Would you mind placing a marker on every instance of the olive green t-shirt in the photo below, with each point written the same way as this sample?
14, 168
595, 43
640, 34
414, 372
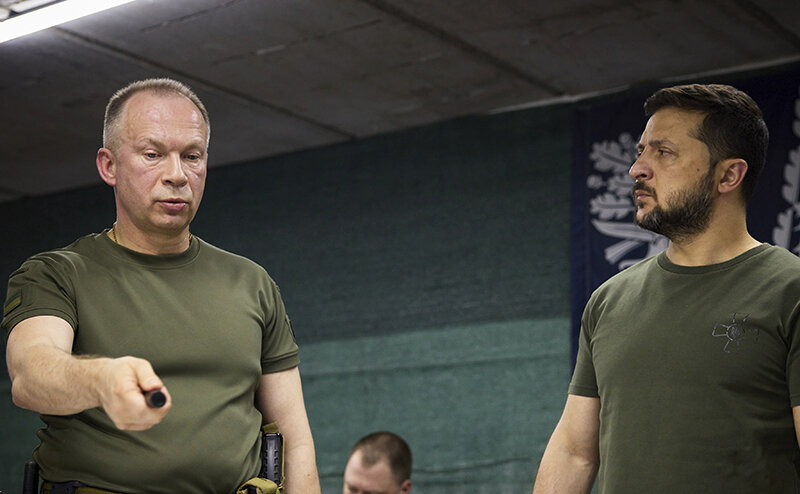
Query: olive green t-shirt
697, 370
210, 323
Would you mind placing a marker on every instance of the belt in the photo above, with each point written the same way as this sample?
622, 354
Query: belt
253, 486
72, 487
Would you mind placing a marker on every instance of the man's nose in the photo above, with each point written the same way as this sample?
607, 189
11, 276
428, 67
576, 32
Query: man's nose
174, 172
640, 170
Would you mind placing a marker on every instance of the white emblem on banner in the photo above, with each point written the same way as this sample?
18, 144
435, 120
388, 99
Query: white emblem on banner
612, 205
785, 233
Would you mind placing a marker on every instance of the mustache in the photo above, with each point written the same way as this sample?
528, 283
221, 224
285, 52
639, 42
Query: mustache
643, 187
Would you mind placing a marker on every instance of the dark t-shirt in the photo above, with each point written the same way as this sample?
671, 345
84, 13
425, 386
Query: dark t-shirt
697, 370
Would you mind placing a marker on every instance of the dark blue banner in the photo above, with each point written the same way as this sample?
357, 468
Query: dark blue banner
605, 240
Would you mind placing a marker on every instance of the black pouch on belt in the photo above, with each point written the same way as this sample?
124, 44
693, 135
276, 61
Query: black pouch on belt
270, 479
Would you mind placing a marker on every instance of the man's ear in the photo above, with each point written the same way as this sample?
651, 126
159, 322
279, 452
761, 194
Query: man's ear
405, 487
733, 172
107, 166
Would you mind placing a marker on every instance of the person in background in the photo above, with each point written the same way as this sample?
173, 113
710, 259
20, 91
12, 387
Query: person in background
379, 463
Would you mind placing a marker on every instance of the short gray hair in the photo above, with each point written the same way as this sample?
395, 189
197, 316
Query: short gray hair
158, 86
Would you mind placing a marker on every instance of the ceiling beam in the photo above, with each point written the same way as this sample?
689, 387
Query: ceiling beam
195, 81
466, 47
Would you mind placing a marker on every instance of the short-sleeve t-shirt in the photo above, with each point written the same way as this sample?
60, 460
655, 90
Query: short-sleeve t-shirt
210, 323
697, 370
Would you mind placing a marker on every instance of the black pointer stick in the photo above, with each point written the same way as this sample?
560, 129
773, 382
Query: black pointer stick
155, 398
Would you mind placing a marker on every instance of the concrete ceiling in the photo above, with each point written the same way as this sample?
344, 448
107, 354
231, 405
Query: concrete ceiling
284, 75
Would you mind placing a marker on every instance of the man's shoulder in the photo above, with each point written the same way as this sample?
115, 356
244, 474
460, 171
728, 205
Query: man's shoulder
637, 270
81, 247
775, 262
778, 254
219, 255
618, 284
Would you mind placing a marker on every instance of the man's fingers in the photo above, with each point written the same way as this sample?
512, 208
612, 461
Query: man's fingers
140, 399
155, 394
145, 375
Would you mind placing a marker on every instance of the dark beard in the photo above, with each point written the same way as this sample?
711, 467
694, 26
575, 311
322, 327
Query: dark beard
689, 212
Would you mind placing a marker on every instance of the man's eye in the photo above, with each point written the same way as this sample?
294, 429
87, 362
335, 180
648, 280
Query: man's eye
151, 155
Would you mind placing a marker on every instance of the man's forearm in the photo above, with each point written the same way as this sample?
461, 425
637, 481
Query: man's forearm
561, 473
280, 400
51, 381
301, 470
47, 378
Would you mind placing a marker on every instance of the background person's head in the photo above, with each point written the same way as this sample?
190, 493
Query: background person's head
379, 463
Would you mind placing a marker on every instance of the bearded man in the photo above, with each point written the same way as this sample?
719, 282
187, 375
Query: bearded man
688, 370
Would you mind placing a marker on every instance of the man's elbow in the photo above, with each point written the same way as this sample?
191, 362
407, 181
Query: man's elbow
585, 463
19, 395
581, 456
586, 456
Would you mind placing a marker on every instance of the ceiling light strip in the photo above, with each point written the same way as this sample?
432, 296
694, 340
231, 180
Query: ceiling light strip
52, 15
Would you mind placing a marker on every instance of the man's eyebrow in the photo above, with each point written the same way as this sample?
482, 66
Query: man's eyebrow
197, 144
148, 141
655, 143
